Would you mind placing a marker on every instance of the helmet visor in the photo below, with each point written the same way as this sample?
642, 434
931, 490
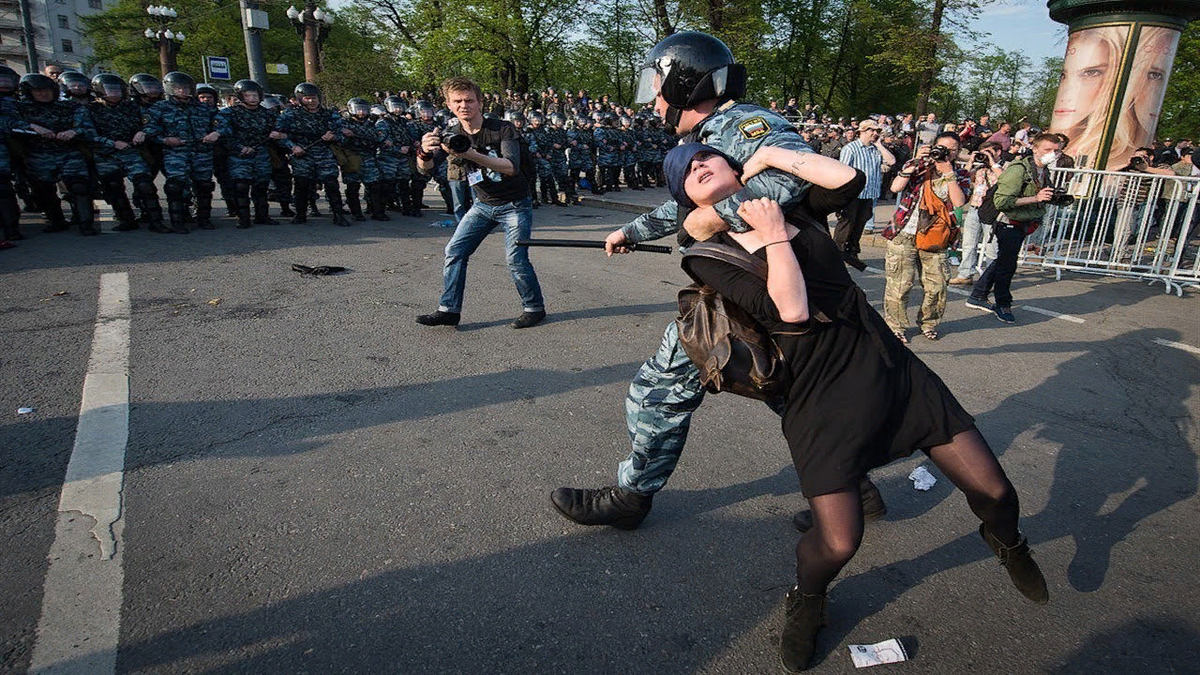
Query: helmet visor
179, 89
649, 83
358, 108
112, 91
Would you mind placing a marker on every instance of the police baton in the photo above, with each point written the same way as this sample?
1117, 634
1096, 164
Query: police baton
591, 243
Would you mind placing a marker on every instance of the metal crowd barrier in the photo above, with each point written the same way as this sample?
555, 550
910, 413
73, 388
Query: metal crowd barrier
1134, 225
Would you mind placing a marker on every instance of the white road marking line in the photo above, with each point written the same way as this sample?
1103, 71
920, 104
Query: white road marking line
1176, 345
1056, 315
81, 604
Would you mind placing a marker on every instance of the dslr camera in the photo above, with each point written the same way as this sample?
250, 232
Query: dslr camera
939, 153
459, 143
1061, 198
981, 161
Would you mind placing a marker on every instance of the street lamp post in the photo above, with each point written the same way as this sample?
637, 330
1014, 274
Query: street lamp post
163, 38
313, 25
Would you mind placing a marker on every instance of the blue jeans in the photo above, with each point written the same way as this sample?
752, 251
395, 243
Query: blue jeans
460, 195
477, 223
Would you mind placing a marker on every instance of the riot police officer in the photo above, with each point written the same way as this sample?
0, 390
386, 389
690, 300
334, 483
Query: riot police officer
540, 144
52, 155
557, 134
395, 154
209, 96
281, 171
247, 130
426, 122
114, 129
608, 152
187, 130
310, 129
579, 140
10, 212
360, 168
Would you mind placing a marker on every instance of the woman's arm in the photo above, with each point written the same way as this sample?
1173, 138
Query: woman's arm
785, 281
817, 169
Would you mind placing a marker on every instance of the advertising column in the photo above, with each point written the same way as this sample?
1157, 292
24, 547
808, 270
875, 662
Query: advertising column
1115, 73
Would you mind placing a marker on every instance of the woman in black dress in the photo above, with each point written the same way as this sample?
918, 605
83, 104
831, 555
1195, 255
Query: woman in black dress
859, 398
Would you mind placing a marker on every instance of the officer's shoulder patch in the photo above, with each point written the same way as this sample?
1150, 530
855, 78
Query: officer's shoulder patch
755, 127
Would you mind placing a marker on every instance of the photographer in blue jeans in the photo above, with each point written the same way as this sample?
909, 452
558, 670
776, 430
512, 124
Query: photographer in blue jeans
487, 152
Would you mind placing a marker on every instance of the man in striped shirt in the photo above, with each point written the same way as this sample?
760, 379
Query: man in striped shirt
867, 154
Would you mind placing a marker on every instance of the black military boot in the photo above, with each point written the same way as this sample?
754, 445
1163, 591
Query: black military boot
300, 201
46, 196
177, 212
404, 196
240, 196
10, 212
804, 616
377, 200
352, 200
333, 193
415, 188
84, 212
593, 180
614, 178
203, 190
123, 212
616, 506
1022, 568
259, 196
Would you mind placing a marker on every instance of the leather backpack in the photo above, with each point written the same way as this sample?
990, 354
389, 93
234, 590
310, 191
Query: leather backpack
732, 351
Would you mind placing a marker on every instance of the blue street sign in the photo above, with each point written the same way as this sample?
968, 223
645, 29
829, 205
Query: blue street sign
218, 67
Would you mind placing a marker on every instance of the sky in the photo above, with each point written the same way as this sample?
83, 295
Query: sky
1023, 25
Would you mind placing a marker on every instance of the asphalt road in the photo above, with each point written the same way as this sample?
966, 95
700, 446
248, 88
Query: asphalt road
316, 484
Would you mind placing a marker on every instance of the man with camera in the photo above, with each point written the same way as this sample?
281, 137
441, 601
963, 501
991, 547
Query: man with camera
488, 152
932, 188
985, 171
1023, 193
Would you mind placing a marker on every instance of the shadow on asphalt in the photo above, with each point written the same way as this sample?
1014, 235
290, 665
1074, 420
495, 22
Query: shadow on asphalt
578, 314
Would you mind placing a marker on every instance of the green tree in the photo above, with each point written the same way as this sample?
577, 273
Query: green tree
1179, 118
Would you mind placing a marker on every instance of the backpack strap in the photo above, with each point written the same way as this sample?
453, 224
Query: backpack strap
736, 256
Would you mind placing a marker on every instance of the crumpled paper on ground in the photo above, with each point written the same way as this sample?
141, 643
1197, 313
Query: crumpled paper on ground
921, 478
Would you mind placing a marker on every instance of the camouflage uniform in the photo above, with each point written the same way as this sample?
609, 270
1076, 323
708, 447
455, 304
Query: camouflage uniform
105, 125
608, 157
557, 138
250, 175
420, 180
395, 165
365, 141
580, 143
666, 390
189, 166
304, 129
47, 161
10, 211
540, 143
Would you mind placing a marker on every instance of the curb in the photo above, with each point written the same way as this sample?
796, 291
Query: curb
868, 239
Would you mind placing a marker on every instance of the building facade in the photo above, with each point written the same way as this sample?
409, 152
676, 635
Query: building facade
57, 34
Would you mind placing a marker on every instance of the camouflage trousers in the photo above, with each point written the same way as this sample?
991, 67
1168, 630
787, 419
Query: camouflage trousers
394, 166
128, 162
562, 175
658, 412
256, 168
904, 263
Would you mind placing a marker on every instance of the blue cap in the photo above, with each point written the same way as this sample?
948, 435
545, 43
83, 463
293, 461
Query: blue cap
676, 164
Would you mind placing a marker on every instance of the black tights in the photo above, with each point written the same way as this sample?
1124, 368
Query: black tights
837, 531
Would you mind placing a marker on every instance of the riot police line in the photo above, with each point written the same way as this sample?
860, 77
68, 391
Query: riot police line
105, 138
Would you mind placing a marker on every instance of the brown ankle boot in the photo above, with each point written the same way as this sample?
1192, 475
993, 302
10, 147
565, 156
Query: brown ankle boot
1018, 560
804, 616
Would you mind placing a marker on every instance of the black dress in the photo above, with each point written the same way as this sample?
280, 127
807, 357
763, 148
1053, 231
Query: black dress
859, 398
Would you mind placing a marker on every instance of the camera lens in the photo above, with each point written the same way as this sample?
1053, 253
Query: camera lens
458, 143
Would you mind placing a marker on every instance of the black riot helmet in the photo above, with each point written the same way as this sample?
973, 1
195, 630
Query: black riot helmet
358, 107
272, 102
207, 89
177, 84
146, 86
107, 86
8, 81
74, 84
558, 120
514, 116
306, 89
689, 68
626, 121
394, 105
536, 118
36, 81
582, 122
443, 116
378, 111
425, 111
243, 87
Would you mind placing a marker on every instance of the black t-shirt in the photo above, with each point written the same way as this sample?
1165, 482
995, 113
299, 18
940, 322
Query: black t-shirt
496, 138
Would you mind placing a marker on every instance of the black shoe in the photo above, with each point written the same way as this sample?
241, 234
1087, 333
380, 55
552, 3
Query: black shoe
621, 508
340, 220
873, 507
126, 227
88, 231
528, 319
358, 218
299, 219
439, 318
852, 260
803, 618
285, 210
51, 229
1022, 568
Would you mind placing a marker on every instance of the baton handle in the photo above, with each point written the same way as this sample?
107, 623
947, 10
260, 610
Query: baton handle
591, 243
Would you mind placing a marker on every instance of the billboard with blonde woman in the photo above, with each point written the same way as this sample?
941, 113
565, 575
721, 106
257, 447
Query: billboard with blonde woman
1090, 85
